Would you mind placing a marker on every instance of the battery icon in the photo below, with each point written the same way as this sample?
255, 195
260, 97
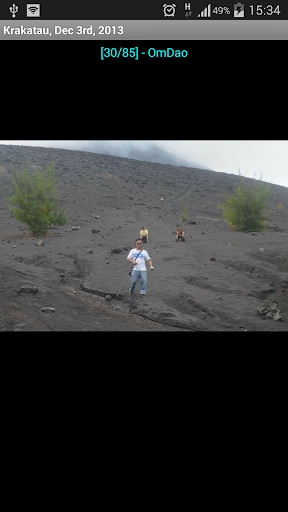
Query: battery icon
238, 10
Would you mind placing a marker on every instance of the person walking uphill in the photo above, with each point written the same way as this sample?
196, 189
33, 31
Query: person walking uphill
138, 258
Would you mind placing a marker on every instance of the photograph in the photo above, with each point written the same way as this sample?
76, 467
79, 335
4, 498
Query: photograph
144, 235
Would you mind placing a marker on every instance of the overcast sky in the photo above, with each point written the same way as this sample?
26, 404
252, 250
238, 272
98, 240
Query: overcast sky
269, 157
253, 157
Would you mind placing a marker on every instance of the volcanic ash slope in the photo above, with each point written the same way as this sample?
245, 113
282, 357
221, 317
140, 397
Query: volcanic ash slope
115, 197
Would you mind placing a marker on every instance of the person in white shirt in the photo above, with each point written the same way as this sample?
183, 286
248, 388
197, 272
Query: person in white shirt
138, 258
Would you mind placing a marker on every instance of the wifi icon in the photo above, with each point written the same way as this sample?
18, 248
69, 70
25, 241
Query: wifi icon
33, 10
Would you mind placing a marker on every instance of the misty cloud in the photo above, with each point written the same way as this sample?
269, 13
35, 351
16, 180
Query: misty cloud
137, 150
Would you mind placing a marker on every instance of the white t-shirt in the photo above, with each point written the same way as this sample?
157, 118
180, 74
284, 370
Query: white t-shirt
144, 256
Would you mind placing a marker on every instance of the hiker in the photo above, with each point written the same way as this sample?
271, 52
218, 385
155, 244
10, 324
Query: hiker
179, 233
138, 257
144, 235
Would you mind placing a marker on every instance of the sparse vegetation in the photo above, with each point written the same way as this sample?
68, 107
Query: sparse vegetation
279, 206
244, 210
184, 214
35, 197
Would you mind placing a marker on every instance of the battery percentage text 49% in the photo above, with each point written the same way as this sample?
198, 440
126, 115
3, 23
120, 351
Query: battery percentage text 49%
221, 10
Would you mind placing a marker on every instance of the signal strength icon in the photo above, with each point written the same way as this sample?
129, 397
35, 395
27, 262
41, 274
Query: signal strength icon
206, 13
33, 11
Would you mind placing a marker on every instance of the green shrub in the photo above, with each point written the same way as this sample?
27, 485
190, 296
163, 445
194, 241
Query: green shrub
184, 214
244, 210
279, 206
35, 197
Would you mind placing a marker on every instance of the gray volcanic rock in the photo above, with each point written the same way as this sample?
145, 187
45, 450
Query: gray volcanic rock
186, 291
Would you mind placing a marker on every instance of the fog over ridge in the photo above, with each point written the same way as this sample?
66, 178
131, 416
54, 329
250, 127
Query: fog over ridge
136, 150
265, 160
133, 149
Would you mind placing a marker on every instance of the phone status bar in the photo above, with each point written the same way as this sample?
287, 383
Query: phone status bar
148, 10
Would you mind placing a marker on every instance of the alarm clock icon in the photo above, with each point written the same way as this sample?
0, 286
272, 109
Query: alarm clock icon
169, 9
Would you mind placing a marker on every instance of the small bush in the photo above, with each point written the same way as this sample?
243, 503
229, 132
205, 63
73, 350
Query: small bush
279, 206
244, 210
35, 197
184, 214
